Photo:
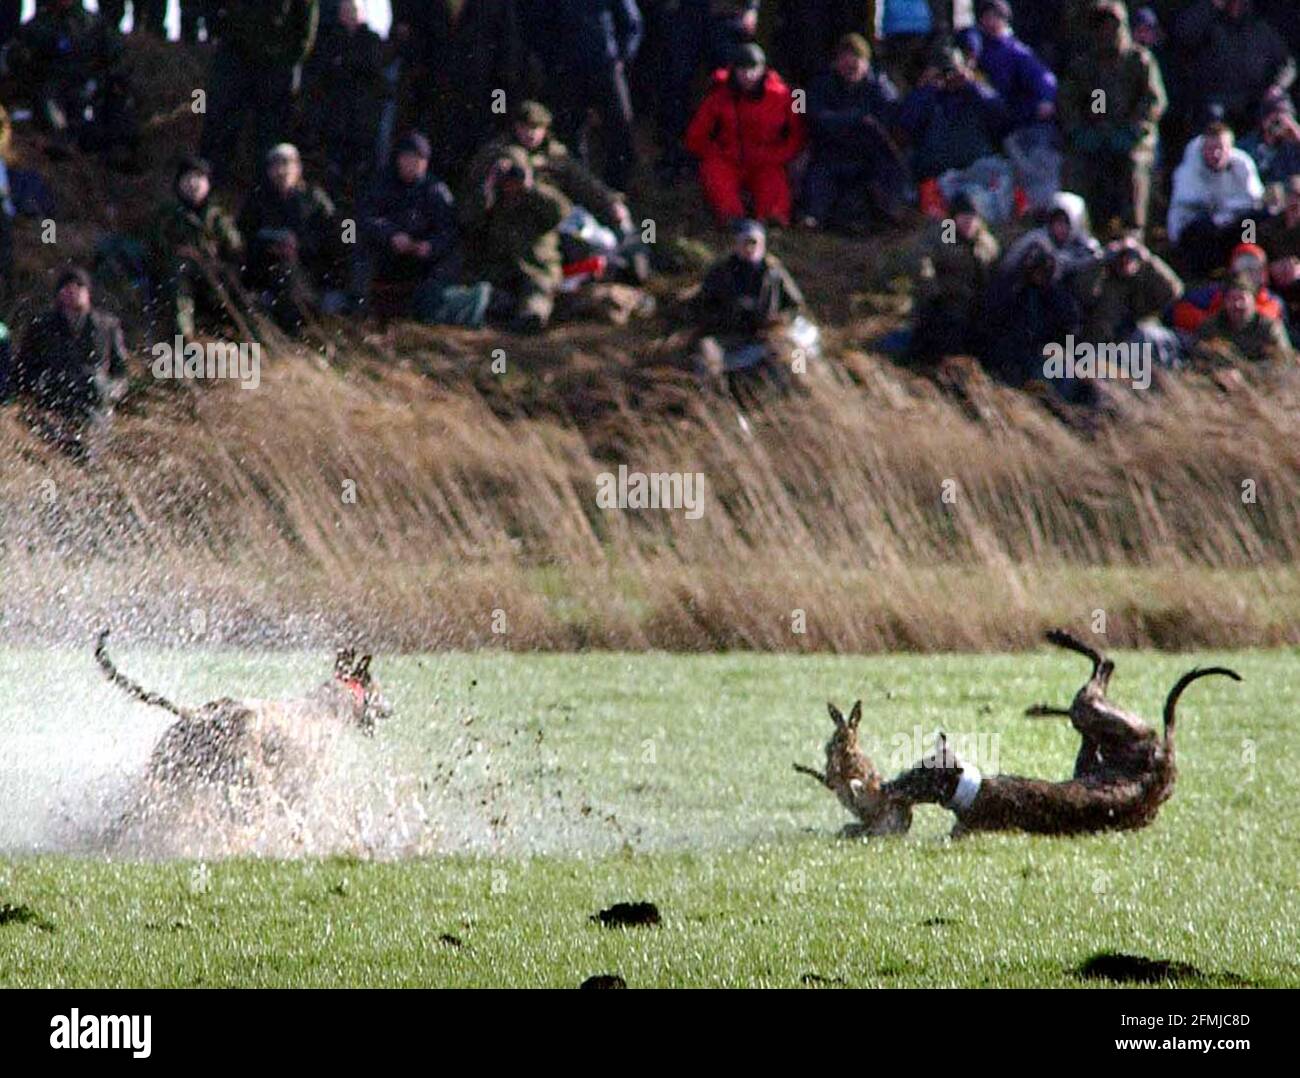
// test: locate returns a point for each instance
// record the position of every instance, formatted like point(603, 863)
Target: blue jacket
point(904, 17)
point(836, 110)
point(593, 33)
point(952, 129)
point(1018, 75)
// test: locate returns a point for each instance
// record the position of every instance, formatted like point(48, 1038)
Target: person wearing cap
point(295, 253)
point(261, 45)
point(459, 57)
point(410, 249)
point(1240, 325)
point(745, 134)
point(855, 171)
point(1028, 89)
point(1216, 188)
point(956, 123)
point(1234, 59)
point(744, 304)
point(57, 54)
point(345, 88)
point(593, 44)
point(193, 247)
point(1274, 145)
point(518, 244)
point(1111, 150)
point(70, 367)
point(1199, 304)
point(955, 263)
point(690, 33)
point(552, 164)
point(1123, 297)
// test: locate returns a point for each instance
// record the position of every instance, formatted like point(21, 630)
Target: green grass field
point(581, 781)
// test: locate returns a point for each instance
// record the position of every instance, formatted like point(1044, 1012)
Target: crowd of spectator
point(1071, 170)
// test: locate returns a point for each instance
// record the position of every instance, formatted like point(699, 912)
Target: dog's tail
point(123, 682)
point(1171, 702)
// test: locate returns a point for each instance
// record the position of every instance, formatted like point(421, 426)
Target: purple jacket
point(1018, 75)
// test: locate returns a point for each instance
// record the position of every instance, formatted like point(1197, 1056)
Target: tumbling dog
point(1079, 806)
point(230, 743)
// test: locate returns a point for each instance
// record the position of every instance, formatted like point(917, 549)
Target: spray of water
point(75, 777)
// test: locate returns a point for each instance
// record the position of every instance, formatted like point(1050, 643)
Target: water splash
point(74, 756)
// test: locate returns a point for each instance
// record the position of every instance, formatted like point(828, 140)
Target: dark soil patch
point(604, 980)
point(1136, 969)
point(628, 914)
point(23, 915)
point(816, 980)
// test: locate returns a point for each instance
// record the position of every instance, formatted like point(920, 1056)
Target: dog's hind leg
point(1038, 711)
point(1063, 639)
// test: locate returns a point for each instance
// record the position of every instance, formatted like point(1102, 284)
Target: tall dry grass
point(871, 510)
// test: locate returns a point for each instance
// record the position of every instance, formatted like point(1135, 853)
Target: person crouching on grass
point(744, 309)
point(70, 369)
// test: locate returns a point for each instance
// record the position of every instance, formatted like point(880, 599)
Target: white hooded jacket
point(1222, 196)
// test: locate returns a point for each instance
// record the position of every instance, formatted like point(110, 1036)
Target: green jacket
point(280, 32)
point(520, 243)
point(552, 164)
point(955, 274)
point(1124, 121)
point(1260, 340)
point(210, 231)
point(1112, 305)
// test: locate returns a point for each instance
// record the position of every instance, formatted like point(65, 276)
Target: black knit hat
point(192, 163)
point(70, 274)
point(416, 143)
point(961, 203)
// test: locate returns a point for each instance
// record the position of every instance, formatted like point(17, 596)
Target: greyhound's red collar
point(358, 689)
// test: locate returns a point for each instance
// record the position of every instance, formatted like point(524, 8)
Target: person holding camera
point(1275, 145)
point(956, 124)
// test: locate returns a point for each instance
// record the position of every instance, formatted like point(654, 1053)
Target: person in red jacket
point(745, 133)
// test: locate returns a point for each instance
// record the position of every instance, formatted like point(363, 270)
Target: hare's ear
point(940, 745)
point(855, 716)
point(836, 717)
point(362, 670)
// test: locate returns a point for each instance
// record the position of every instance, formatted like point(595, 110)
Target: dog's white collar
point(968, 788)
